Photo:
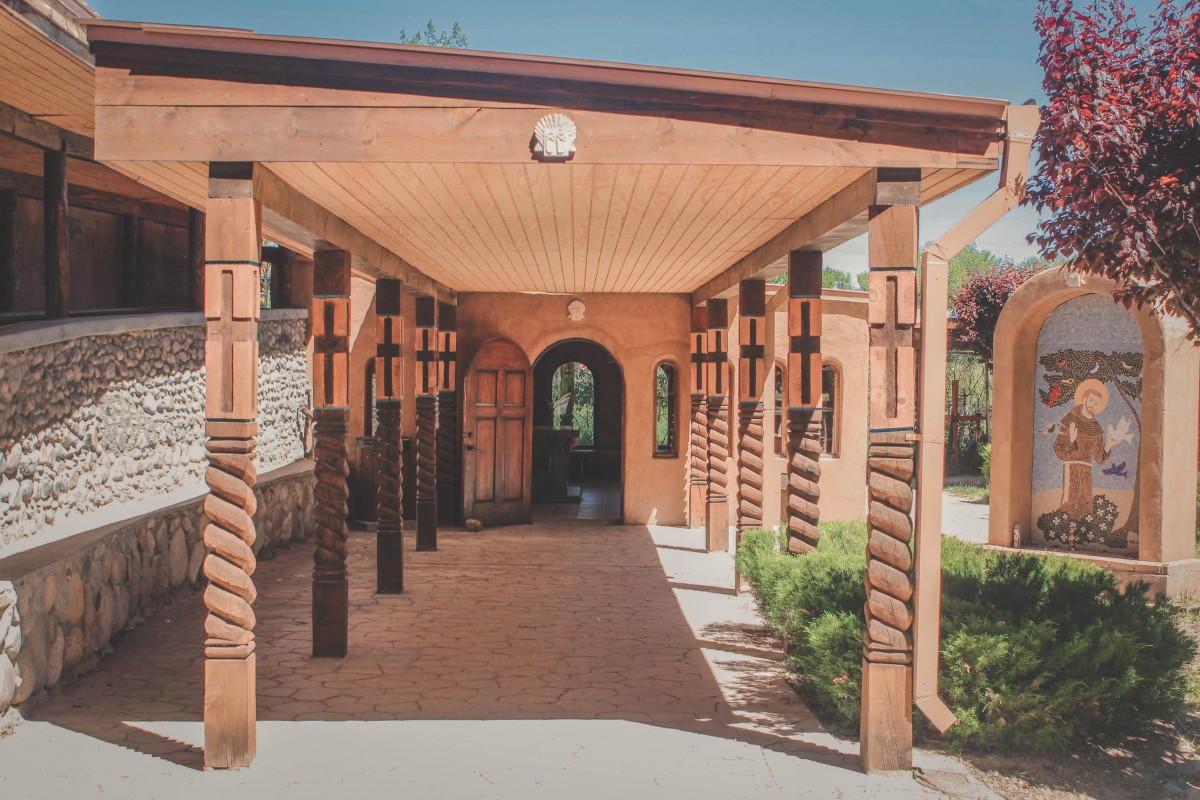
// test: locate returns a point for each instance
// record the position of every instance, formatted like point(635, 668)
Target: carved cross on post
point(389, 366)
point(427, 346)
point(332, 345)
point(892, 347)
point(753, 352)
point(447, 331)
point(716, 373)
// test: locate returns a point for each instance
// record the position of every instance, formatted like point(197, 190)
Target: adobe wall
point(105, 413)
point(844, 345)
point(640, 331)
point(62, 603)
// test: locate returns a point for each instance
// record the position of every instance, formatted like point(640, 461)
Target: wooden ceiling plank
point(581, 219)
point(653, 228)
point(435, 256)
point(485, 207)
point(843, 207)
point(536, 189)
point(562, 206)
point(604, 189)
point(686, 192)
point(635, 221)
point(274, 193)
point(496, 183)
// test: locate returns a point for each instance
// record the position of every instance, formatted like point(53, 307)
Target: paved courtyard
point(545, 660)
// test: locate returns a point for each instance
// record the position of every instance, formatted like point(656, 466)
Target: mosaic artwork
point(1087, 427)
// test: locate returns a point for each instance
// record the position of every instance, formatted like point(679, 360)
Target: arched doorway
point(578, 428)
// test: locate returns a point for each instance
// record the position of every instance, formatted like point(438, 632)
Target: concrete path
point(965, 519)
point(537, 661)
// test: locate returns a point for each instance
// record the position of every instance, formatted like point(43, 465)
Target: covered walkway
point(531, 661)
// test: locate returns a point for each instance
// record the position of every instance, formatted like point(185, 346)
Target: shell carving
point(554, 138)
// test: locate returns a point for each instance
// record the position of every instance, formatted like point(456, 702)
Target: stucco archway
point(1169, 385)
point(600, 460)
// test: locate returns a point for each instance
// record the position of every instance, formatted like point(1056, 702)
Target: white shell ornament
point(554, 138)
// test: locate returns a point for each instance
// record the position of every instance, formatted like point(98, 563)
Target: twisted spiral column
point(889, 561)
point(426, 460)
point(803, 480)
point(329, 533)
point(389, 494)
point(751, 447)
point(229, 537)
point(697, 461)
point(717, 507)
point(447, 457)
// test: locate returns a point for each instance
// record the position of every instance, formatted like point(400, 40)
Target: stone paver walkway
point(528, 661)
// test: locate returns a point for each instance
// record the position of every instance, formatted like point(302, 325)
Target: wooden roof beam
point(31, 130)
point(839, 219)
point(301, 220)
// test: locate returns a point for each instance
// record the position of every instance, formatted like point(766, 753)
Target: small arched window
point(665, 427)
point(829, 402)
point(370, 411)
point(778, 412)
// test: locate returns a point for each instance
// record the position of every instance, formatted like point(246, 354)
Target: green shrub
point(1038, 653)
point(985, 461)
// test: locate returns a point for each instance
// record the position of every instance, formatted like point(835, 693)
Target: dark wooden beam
point(98, 200)
point(57, 234)
point(131, 261)
point(42, 134)
point(196, 222)
point(8, 249)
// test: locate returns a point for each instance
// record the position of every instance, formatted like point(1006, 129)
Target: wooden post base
point(427, 526)
point(887, 726)
point(389, 561)
point(330, 618)
point(229, 712)
point(716, 525)
point(696, 504)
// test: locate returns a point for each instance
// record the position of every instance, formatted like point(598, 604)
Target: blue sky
point(970, 47)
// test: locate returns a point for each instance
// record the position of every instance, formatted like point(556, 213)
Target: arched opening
point(666, 428)
point(578, 429)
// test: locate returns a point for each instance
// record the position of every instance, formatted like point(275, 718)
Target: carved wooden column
point(716, 383)
point(56, 228)
point(449, 445)
point(331, 411)
point(752, 369)
point(425, 318)
point(231, 310)
point(887, 650)
point(389, 389)
point(698, 433)
point(804, 400)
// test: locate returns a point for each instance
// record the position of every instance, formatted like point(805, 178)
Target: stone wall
point(96, 420)
point(61, 604)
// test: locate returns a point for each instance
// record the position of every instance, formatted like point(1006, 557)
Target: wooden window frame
point(779, 408)
point(833, 412)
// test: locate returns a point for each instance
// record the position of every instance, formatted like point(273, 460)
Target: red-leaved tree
point(1119, 149)
point(978, 302)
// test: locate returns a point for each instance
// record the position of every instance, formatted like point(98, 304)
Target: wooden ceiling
point(43, 79)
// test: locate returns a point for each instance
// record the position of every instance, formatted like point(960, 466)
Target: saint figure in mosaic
point(1080, 444)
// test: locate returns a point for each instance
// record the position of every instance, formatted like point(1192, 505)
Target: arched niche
point(1049, 327)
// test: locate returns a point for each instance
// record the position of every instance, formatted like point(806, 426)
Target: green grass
point(977, 494)
point(1038, 653)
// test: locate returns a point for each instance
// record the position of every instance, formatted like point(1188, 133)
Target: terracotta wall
point(640, 331)
point(844, 345)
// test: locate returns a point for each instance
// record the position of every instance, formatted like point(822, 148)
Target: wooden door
point(497, 435)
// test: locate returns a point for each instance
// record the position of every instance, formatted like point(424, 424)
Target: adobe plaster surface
point(533, 661)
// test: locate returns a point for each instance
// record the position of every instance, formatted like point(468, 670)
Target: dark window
point(829, 401)
point(665, 436)
point(780, 383)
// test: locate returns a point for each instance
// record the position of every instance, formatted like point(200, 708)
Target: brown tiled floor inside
point(529, 622)
point(597, 504)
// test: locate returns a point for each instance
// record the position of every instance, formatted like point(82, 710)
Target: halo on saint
point(1092, 386)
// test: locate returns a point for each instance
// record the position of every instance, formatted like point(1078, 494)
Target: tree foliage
point(1119, 148)
point(432, 37)
point(833, 278)
point(978, 302)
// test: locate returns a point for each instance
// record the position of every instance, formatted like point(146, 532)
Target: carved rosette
point(751, 436)
point(804, 478)
point(229, 537)
point(889, 530)
point(330, 495)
